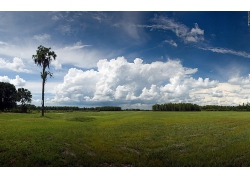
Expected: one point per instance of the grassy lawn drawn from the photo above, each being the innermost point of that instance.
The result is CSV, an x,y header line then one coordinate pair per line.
x,y
143,138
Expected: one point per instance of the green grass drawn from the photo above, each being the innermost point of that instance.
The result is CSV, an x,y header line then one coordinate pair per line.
x,y
143,138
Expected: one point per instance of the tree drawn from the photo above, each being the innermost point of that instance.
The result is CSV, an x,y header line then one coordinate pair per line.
x,y
43,59
7,96
24,96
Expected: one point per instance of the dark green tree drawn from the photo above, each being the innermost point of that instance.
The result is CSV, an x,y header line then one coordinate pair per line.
x,y
7,96
43,59
24,96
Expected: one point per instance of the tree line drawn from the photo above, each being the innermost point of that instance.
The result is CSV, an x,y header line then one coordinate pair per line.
x,y
9,96
74,108
195,107
176,107
243,107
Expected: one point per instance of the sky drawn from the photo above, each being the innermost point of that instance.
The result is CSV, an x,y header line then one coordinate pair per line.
x,y
131,59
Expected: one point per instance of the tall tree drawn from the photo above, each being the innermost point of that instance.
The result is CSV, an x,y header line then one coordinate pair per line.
x,y
7,96
24,96
43,59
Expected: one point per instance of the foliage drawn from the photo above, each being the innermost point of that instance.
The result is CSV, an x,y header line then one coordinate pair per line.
x,y
109,108
243,107
7,96
176,107
195,107
24,96
43,58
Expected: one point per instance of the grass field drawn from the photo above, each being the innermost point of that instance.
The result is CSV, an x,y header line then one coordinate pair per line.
x,y
143,138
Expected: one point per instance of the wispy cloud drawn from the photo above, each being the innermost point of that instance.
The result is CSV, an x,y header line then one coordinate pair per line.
x,y
226,51
171,42
77,45
3,43
182,31
65,29
99,16
42,37
55,17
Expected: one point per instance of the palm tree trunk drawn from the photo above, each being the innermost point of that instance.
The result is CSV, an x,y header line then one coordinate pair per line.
x,y
43,98
43,78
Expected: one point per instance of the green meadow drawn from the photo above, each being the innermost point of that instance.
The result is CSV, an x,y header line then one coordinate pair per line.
x,y
125,138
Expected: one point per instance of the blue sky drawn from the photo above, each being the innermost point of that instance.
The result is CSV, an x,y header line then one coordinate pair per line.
x,y
130,59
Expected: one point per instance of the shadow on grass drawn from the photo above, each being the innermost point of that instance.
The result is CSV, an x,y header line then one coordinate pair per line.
x,y
82,119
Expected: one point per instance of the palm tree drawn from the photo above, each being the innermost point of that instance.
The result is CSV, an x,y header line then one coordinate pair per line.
x,y
43,58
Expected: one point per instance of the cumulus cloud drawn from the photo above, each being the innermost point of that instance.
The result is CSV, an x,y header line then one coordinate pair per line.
x,y
77,86
223,94
243,82
217,93
120,81
17,81
17,65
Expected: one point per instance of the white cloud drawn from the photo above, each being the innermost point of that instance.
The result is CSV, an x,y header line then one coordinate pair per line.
x,y
182,31
243,82
65,29
23,49
223,94
17,81
129,28
17,65
119,81
217,93
56,64
99,16
195,35
171,42
42,37
3,43
77,54
76,46
200,83
226,51
55,18
77,86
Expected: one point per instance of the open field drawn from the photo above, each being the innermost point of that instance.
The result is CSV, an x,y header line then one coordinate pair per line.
x,y
143,138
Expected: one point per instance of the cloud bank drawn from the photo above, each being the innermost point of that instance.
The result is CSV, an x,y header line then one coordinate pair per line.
x,y
118,81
